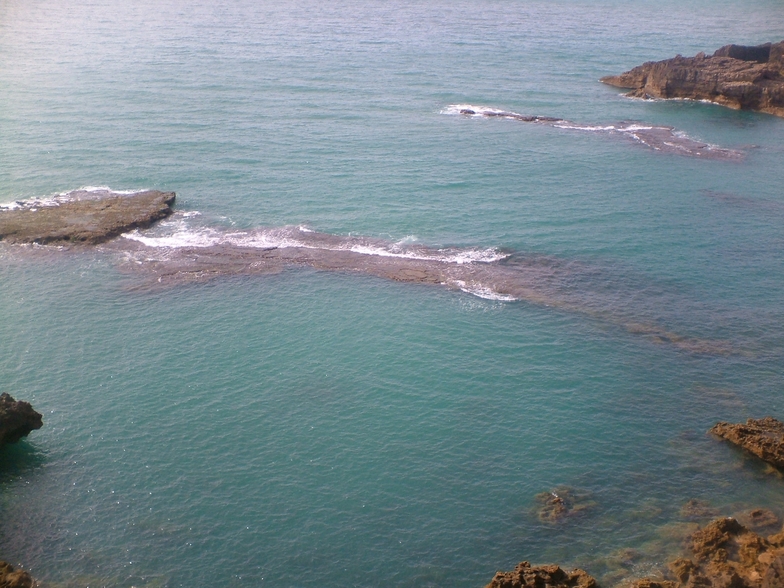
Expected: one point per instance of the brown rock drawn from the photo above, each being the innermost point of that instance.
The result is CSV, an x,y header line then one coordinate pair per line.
x,y
17,420
649,583
560,503
14,578
83,217
740,77
763,437
725,554
551,576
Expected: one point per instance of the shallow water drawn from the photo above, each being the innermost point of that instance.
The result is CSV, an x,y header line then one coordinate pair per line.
x,y
304,427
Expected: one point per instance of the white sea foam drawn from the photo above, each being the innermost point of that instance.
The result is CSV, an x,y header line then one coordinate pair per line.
x,y
482,291
476,110
176,234
83,193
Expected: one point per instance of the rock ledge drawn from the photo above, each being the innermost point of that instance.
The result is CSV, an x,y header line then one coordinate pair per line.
x,y
83,217
762,437
737,76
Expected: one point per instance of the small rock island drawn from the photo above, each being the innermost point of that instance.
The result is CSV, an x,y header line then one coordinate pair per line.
x,y
737,76
17,419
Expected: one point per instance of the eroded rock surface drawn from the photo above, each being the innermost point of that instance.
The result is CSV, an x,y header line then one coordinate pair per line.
x,y
527,576
762,437
14,578
561,503
17,419
82,216
725,554
737,76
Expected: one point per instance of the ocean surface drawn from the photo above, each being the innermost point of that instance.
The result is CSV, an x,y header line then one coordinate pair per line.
x,y
308,427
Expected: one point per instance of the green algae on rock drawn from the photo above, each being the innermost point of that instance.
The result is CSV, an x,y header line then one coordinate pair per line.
x,y
82,216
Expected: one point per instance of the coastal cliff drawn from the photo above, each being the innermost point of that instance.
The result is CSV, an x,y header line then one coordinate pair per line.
x,y
737,76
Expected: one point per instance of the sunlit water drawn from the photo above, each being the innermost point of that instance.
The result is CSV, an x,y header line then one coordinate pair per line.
x,y
313,428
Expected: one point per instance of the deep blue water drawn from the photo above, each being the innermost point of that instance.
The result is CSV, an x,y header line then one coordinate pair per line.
x,y
329,429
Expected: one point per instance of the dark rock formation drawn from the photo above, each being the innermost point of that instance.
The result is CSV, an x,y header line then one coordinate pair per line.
x,y
740,77
762,437
551,576
83,216
11,578
17,420
728,555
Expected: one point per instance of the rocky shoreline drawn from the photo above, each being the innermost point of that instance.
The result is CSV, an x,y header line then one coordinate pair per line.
x,y
736,76
728,552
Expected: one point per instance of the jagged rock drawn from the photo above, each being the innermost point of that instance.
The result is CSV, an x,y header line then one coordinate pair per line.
x,y
551,576
82,216
17,420
725,554
560,503
14,578
740,77
762,437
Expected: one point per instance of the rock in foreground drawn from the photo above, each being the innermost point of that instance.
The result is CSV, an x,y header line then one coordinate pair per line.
x,y
737,76
17,419
11,578
552,576
728,555
83,216
762,437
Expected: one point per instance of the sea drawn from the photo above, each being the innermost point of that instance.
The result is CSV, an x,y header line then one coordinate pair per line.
x,y
329,426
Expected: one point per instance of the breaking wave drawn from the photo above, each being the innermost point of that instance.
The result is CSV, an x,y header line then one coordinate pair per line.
x,y
659,138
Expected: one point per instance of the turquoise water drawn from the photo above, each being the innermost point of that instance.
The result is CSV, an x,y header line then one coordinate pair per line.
x,y
314,428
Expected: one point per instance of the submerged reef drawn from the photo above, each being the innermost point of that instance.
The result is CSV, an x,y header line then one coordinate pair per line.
x,y
17,419
183,251
762,437
15,578
82,216
737,76
660,138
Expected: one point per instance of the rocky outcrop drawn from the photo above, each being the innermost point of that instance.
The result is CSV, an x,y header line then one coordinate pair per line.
x,y
14,578
561,503
737,76
725,554
762,437
527,576
82,216
17,420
